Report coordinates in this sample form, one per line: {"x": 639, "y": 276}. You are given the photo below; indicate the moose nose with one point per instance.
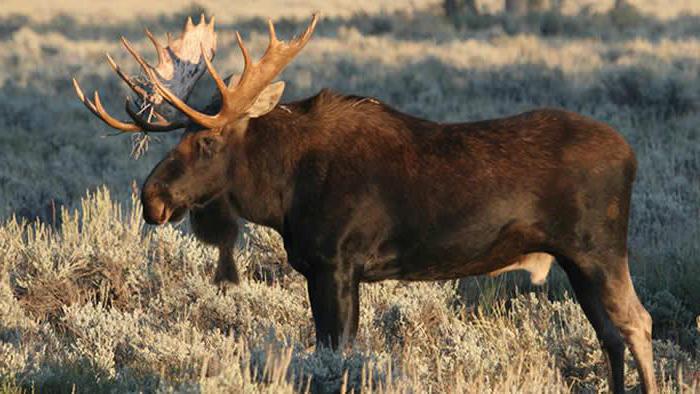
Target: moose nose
{"x": 157, "y": 208}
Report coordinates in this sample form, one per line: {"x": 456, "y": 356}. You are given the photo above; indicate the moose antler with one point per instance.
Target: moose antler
{"x": 238, "y": 97}
{"x": 179, "y": 67}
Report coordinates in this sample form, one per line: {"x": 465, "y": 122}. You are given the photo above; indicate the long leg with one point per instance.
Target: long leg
{"x": 217, "y": 224}
{"x": 607, "y": 296}
{"x": 226, "y": 270}
{"x": 628, "y": 314}
{"x": 588, "y": 295}
{"x": 335, "y": 304}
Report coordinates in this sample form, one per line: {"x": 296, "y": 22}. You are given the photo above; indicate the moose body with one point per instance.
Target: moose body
{"x": 385, "y": 195}
{"x": 361, "y": 192}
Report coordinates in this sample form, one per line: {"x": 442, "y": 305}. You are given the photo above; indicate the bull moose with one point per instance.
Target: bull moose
{"x": 361, "y": 192}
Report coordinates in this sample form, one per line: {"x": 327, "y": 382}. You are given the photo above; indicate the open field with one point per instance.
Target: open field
{"x": 92, "y": 299}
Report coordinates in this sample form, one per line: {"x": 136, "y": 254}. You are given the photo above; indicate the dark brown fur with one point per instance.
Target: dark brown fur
{"x": 362, "y": 192}
{"x": 217, "y": 224}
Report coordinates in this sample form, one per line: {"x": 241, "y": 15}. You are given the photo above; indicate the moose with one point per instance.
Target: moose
{"x": 361, "y": 192}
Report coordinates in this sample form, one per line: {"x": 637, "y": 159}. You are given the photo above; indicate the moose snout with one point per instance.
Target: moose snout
{"x": 157, "y": 205}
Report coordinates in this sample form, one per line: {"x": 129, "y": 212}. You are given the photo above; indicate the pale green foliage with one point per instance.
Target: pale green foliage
{"x": 90, "y": 298}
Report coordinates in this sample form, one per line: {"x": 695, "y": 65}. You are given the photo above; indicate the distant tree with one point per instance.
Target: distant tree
{"x": 517, "y": 7}
{"x": 625, "y": 15}
{"x": 523, "y": 7}
{"x": 539, "y": 5}
{"x": 619, "y": 4}
{"x": 458, "y": 7}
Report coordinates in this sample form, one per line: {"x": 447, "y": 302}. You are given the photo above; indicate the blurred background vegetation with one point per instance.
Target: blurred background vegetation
{"x": 91, "y": 299}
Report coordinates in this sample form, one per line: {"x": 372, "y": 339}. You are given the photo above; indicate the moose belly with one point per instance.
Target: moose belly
{"x": 537, "y": 264}
{"x": 498, "y": 236}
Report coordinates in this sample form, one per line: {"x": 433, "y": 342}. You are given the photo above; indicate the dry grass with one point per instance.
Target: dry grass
{"x": 91, "y": 298}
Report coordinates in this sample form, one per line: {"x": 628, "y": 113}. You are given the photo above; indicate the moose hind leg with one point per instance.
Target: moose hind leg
{"x": 589, "y": 297}
{"x": 335, "y": 305}
{"x": 628, "y": 314}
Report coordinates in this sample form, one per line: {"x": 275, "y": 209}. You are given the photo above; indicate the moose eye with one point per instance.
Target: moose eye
{"x": 208, "y": 145}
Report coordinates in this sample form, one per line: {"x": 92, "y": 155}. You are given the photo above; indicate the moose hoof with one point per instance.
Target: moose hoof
{"x": 223, "y": 282}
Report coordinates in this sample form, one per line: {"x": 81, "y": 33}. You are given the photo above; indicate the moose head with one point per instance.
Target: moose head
{"x": 195, "y": 171}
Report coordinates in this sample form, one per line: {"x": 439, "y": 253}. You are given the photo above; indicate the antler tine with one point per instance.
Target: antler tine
{"x": 306, "y": 35}
{"x": 99, "y": 111}
{"x": 273, "y": 35}
{"x": 220, "y": 84}
{"x": 113, "y": 122}
{"x": 136, "y": 88}
{"x": 246, "y": 57}
{"x": 159, "y": 48}
{"x": 144, "y": 65}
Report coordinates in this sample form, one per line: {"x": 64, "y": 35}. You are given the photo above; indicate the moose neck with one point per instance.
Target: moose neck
{"x": 263, "y": 167}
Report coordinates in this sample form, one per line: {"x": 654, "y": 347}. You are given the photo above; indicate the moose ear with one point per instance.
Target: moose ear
{"x": 267, "y": 100}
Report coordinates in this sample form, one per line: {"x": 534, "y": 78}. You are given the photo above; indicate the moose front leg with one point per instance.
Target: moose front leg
{"x": 335, "y": 305}
{"x": 217, "y": 224}
{"x": 226, "y": 271}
